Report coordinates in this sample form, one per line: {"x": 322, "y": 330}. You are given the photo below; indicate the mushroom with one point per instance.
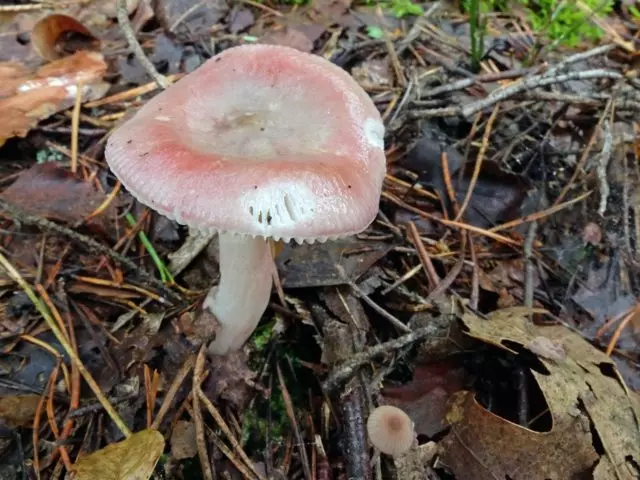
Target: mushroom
{"x": 390, "y": 430}
{"x": 260, "y": 142}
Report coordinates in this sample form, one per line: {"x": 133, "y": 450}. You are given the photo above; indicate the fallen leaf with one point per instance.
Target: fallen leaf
{"x": 482, "y": 445}
{"x": 497, "y": 196}
{"x": 132, "y": 459}
{"x": 240, "y": 19}
{"x": 586, "y": 397}
{"x": 303, "y": 266}
{"x": 50, "y": 191}
{"x": 166, "y": 57}
{"x": 231, "y": 380}
{"x": 288, "y": 37}
{"x": 56, "y": 36}
{"x": 374, "y": 73}
{"x": 331, "y": 11}
{"x": 26, "y": 98}
{"x": 18, "y": 410}
{"x": 425, "y": 398}
{"x": 197, "y": 15}
{"x": 183, "y": 440}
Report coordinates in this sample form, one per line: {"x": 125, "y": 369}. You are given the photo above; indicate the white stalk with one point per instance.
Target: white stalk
{"x": 241, "y": 297}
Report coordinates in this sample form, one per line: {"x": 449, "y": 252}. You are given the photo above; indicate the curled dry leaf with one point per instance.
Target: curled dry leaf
{"x": 132, "y": 459}
{"x": 27, "y": 97}
{"x": 502, "y": 449}
{"x": 57, "y": 36}
{"x": 586, "y": 397}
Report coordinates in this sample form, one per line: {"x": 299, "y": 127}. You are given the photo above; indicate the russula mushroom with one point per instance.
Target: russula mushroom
{"x": 261, "y": 141}
{"x": 390, "y": 430}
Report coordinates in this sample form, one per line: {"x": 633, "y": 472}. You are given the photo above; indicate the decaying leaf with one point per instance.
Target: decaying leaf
{"x": 56, "y": 36}
{"x": 132, "y": 459}
{"x": 183, "y": 440}
{"x": 585, "y": 395}
{"x": 196, "y": 15}
{"x": 289, "y": 37}
{"x": 18, "y": 410}
{"x": 303, "y": 266}
{"x": 27, "y": 97}
{"x": 51, "y": 191}
{"x": 482, "y": 445}
{"x": 425, "y": 398}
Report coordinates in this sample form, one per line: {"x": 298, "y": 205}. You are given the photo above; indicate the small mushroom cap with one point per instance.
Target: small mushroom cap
{"x": 390, "y": 430}
{"x": 260, "y": 140}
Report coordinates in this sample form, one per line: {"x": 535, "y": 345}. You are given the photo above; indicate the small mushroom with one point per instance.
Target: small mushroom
{"x": 262, "y": 141}
{"x": 390, "y": 430}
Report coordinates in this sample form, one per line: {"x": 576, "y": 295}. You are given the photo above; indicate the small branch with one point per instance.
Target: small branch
{"x": 535, "y": 82}
{"x": 357, "y": 451}
{"x": 603, "y": 163}
{"x": 529, "y": 268}
{"x": 347, "y": 369}
{"x": 365, "y": 298}
{"x": 127, "y": 30}
{"x": 579, "y": 57}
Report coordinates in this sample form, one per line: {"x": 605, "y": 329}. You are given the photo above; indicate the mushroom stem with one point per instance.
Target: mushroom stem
{"x": 241, "y": 297}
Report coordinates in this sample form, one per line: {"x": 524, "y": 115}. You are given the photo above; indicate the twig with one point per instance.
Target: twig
{"x": 535, "y": 82}
{"x": 583, "y": 158}
{"x": 173, "y": 390}
{"x": 449, "y": 278}
{"x": 475, "y": 277}
{"x": 193, "y": 245}
{"x": 538, "y": 215}
{"x": 21, "y": 216}
{"x": 51, "y": 323}
{"x": 478, "y": 164}
{"x": 227, "y": 432}
{"x": 423, "y": 255}
{"x": 481, "y": 231}
{"x": 75, "y": 123}
{"x": 603, "y": 163}
{"x": 578, "y": 57}
{"x": 485, "y": 78}
{"x": 358, "y": 464}
{"x": 348, "y": 368}
{"x": 529, "y": 267}
{"x": 127, "y": 30}
{"x": 288, "y": 406}
{"x": 393, "y": 320}
{"x": 205, "y": 464}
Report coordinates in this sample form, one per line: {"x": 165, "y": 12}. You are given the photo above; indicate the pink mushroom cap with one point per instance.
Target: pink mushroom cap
{"x": 261, "y": 140}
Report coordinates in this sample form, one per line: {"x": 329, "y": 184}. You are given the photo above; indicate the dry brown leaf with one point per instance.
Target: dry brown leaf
{"x": 18, "y": 410}
{"x": 50, "y": 191}
{"x": 195, "y": 15}
{"x": 28, "y": 97}
{"x": 482, "y": 445}
{"x": 289, "y": 37}
{"x": 183, "y": 440}
{"x": 132, "y": 459}
{"x": 56, "y": 36}
{"x": 585, "y": 394}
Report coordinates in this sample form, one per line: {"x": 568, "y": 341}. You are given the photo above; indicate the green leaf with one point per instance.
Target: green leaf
{"x": 375, "y": 32}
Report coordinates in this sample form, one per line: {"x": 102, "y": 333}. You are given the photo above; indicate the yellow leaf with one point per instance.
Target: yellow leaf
{"x": 132, "y": 459}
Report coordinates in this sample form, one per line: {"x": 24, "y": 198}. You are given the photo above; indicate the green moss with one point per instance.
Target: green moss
{"x": 565, "y": 22}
